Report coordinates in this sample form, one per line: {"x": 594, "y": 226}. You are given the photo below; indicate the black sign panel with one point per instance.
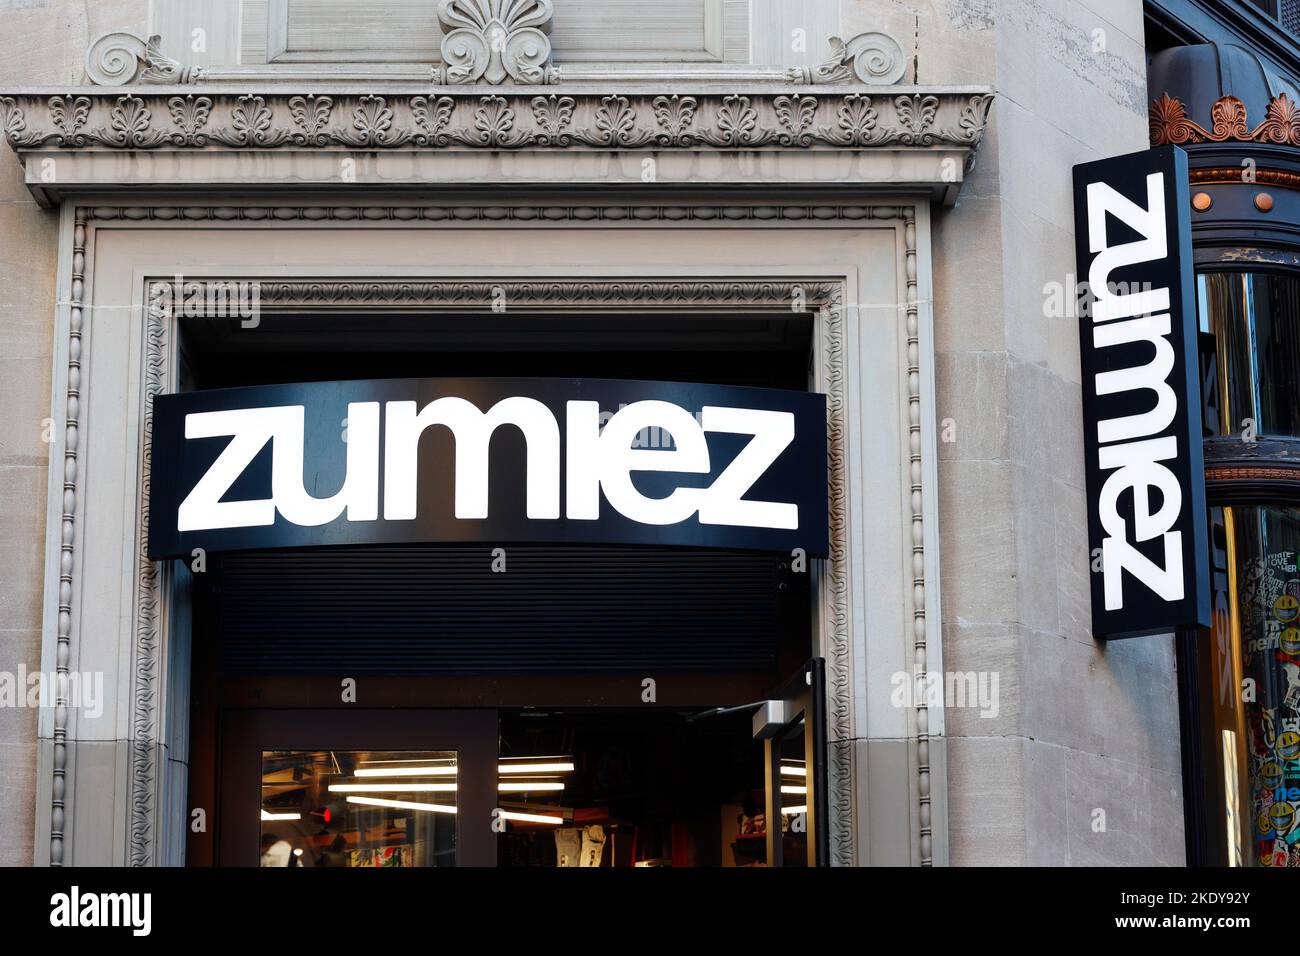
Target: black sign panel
{"x": 404, "y": 461}
{"x": 1141, "y": 400}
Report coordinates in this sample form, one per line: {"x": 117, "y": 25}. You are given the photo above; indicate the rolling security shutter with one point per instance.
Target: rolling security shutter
{"x": 441, "y": 610}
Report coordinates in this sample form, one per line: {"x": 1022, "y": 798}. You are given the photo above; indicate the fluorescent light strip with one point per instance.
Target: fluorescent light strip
{"x": 451, "y": 771}
{"x": 508, "y": 786}
{"x": 791, "y": 788}
{"x": 402, "y": 804}
{"x": 559, "y": 767}
{"x": 789, "y": 771}
{"x": 793, "y": 810}
{"x": 392, "y": 788}
{"x": 267, "y": 815}
{"x": 528, "y": 817}
{"x": 406, "y": 772}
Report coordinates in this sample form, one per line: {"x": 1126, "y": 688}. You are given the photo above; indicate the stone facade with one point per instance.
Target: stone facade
{"x": 1080, "y": 726}
{"x": 1084, "y": 726}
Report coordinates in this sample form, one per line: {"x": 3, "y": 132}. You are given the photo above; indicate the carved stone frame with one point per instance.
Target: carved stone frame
{"x": 146, "y": 791}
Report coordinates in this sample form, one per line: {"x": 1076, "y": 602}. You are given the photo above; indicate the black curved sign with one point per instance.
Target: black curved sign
{"x": 402, "y": 461}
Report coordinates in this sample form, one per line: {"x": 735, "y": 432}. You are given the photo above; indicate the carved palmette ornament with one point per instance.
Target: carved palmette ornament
{"x": 1169, "y": 122}
{"x": 496, "y": 40}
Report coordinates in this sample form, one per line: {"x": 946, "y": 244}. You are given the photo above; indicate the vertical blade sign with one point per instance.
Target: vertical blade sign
{"x": 1144, "y": 466}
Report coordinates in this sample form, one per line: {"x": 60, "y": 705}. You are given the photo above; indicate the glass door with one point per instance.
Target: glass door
{"x": 366, "y": 788}
{"x": 794, "y": 760}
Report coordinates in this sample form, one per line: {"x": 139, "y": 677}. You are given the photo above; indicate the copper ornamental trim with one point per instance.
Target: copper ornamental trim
{"x": 1170, "y": 124}
{"x": 1235, "y": 176}
{"x": 1250, "y": 473}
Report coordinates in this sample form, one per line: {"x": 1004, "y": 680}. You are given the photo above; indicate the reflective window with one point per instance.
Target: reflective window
{"x": 1255, "y": 318}
{"x": 1252, "y": 666}
{"x": 358, "y": 808}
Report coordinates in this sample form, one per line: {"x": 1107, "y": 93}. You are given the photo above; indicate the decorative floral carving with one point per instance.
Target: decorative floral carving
{"x": 116, "y": 59}
{"x": 554, "y": 115}
{"x": 12, "y": 121}
{"x": 494, "y": 123}
{"x": 855, "y": 123}
{"x": 674, "y": 115}
{"x": 372, "y": 125}
{"x": 1169, "y": 123}
{"x": 431, "y": 117}
{"x": 129, "y": 125}
{"x": 250, "y": 125}
{"x": 616, "y": 125}
{"x": 312, "y": 116}
{"x": 796, "y": 118}
{"x": 874, "y": 58}
{"x": 493, "y": 40}
{"x": 1229, "y": 118}
{"x": 506, "y": 120}
{"x": 69, "y": 115}
{"x": 737, "y": 125}
{"x": 1281, "y": 122}
{"x": 917, "y": 113}
{"x": 190, "y": 114}
{"x": 971, "y": 120}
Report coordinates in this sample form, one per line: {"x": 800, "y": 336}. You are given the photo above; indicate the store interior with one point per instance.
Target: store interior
{"x": 577, "y": 788}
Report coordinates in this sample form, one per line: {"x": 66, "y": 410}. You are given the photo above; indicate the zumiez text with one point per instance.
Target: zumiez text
{"x": 598, "y": 460}
{"x": 1133, "y": 448}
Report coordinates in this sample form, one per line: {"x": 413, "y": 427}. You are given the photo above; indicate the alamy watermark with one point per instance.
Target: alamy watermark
{"x": 83, "y": 691}
{"x": 976, "y": 689}
{"x": 209, "y": 299}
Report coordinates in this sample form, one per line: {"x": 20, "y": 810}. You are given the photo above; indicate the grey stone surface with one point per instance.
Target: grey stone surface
{"x": 977, "y": 542}
{"x": 1071, "y": 87}
{"x": 42, "y": 43}
{"x": 986, "y": 783}
{"x": 17, "y": 793}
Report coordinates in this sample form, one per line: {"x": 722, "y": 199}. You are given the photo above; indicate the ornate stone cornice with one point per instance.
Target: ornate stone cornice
{"x": 1170, "y": 123}
{"x": 148, "y": 118}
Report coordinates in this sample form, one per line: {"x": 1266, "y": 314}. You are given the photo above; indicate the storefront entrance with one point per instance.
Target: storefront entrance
{"x": 363, "y": 788}
{"x": 586, "y": 787}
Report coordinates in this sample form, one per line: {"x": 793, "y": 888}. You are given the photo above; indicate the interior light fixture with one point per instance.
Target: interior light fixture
{"x": 555, "y": 767}
{"x": 529, "y": 817}
{"x": 268, "y": 815}
{"x": 443, "y": 771}
{"x": 392, "y": 788}
{"x": 523, "y": 786}
{"x": 793, "y": 810}
{"x": 402, "y": 804}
